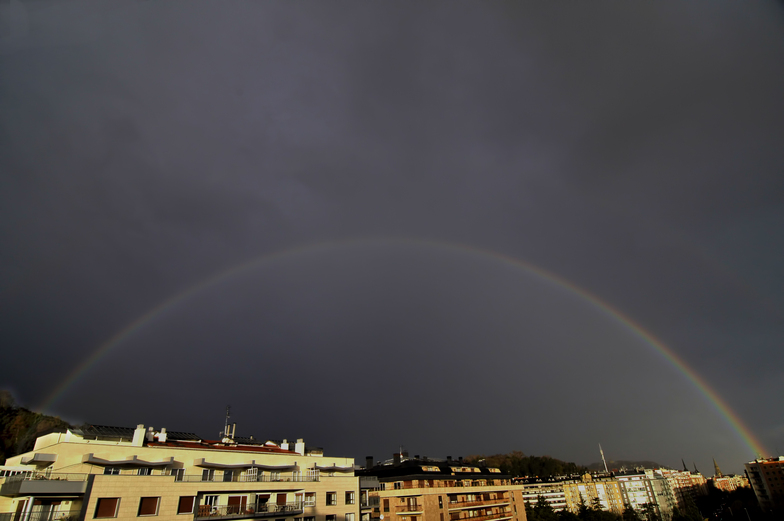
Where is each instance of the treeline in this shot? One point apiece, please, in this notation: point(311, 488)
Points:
point(542, 511)
point(19, 427)
point(518, 464)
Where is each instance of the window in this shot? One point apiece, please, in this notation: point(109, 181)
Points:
point(111, 470)
point(207, 474)
point(178, 474)
point(228, 475)
point(309, 518)
point(332, 498)
point(275, 475)
point(350, 516)
point(186, 505)
point(107, 507)
point(144, 471)
point(350, 498)
point(211, 500)
point(398, 485)
point(310, 500)
point(331, 517)
point(148, 506)
point(440, 502)
point(386, 505)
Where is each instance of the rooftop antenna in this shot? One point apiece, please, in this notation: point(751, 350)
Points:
point(225, 432)
point(603, 460)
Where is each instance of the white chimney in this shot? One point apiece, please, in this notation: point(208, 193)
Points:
point(285, 445)
point(138, 436)
point(299, 447)
point(162, 435)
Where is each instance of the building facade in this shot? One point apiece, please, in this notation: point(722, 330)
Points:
point(589, 490)
point(125, 473)
point(767, 480)
point(427, 490)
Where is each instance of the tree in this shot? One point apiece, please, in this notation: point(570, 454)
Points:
point(629, 514)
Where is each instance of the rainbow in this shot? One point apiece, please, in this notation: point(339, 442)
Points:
point(669, 355)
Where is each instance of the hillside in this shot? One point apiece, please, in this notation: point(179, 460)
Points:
point(19, 427)
point(627, 464)
point(518, 464)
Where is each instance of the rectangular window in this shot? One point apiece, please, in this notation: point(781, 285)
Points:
point(207, 474)
point(350, 516)
point(398, 485)
point(113, 471)
point(144, 471)
point(332, 498)
point(275, 475)
point(228, 475)
point(148, 506)
point(386, 505)
point(440, 502)
point(178, 474)
point(107, 507)
point(309, 518)
point(310, 500)
point(331, 517)
point(350, 497)
point(186, 505)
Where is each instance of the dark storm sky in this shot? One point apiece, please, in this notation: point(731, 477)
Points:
point(634, 150)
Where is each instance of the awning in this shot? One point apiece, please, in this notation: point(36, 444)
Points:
point(201, 462)
point(130, 461)
point(40, 459)
point(334, 468)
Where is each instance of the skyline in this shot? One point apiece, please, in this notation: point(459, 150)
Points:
point(478, 228)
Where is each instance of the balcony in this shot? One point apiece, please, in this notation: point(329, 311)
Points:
point(43, 484)
point(242, 478)
point(369, 502)
point(494, 517)
point(239, 512)
point(39, 515)
point(411, 508)
point(456, 505)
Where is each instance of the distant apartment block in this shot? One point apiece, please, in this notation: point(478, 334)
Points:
point(534, 488)
point(100, 473)
point(767, 479)
point(420, 489)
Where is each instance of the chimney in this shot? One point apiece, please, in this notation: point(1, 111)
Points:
point(285, 444)
point(368, 462)
point(138, 436)
point(396, 458)
point(233, 430)
point(299, 447)
point(162, 435)
point(150, 435)
point(449, 459)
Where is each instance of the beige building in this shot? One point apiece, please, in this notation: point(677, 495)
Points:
point(767, 479)
point(428, 490)
point(589, 489)
point(126, 474)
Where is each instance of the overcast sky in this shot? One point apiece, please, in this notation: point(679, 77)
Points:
point(380, 159)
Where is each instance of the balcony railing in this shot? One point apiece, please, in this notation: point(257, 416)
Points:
point(437, 484)
point(482, 502)
point(238, 511)
point(46, 476)
point(369, 502)
point(242, 478)
point(488, 517)
point(411, 507)
point(38, 515)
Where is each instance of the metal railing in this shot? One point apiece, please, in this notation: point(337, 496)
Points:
point(487, 517)
point(369, 502)
point(442, 484)
point(47, 476)
point(411, 507)
point(478, 502)
point(38, 515)
point(244, 478)
point(205, 511)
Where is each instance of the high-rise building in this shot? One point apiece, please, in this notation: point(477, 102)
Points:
point(767, 479)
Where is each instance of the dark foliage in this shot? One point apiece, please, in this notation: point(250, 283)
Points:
point(19, 427)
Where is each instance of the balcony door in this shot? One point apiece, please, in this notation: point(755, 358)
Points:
point(237, 504)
